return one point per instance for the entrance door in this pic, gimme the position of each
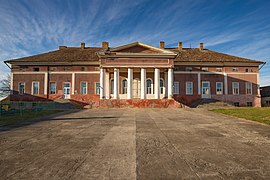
(66, 90)
(206, 89)
(136, 88)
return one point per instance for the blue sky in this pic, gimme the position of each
(240, 28)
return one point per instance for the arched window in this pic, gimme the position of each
(112, 86)
(161, 84)
(124, 86)
(149, 86)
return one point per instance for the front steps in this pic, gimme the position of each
(135, 103)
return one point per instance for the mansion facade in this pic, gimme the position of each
(135, 71)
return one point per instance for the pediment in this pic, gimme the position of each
(138, 47)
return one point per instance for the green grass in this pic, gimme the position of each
(15, 118)
(261, 115)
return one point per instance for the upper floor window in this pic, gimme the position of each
(52, 87)
(21, 87)
(205, 69)
(176, 88)
(189, 87)
(188, 68)
(218, 69)
(36, 69)
(235, 87)
(219, 88)
(83, 68)
(249, 70)
(83, 88)
(35, 87)
(235, 69)
(248, 88)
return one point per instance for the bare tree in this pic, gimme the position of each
(5, 86)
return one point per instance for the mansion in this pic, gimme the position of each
(135, 72)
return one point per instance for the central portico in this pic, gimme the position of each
(136, 70)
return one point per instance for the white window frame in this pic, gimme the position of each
(235, 69)
(32, 89)
(247, 88)
(162, 88)
(151, 87)
(55, 87)
(86, 87)
(234, 88)
(19, 89)
(205, 69)
(189, 90)
(218, 69)
(176, 87)
(218, 92)
(97, 89)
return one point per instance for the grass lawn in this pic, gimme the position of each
(255, 114)
(9, 119)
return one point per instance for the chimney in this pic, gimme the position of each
(162, 44)
(180, 46)
(82, 45)
(105, 45)
(201, 46)
(62, 47)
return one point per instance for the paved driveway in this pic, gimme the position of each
(137, 144)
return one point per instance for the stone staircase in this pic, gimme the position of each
(135, 103)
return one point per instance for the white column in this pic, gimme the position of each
(226, 83)
(101, 83)
(116, 83)
(143, 83)
(199, 83)
(11, 83)
(45, 83)
(107, 85)
(170, 83)
(129, 83)
(73, 83)
(157, 83)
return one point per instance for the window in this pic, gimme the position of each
(176, 87)
(218, 69)
(36, 69)
(149, 86)
(124, 86)
(205, 69)
(97, 68)
(189, 87)
(249, 104)
(161, 84)
(21, 88)
(52, 87)
(53, 68)
(112, 86)
(35, 87)
(219, 88)
(248, 88)
(267, 103)
(188, 68)
(249, 70)
(83, 68)
(83, 88)
(235, 69)
(236, 104)
(235, 86)
(97, 84)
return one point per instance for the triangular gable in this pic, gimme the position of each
(138, 47)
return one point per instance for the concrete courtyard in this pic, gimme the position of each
(136, 144)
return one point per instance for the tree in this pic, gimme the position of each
(5, 86)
